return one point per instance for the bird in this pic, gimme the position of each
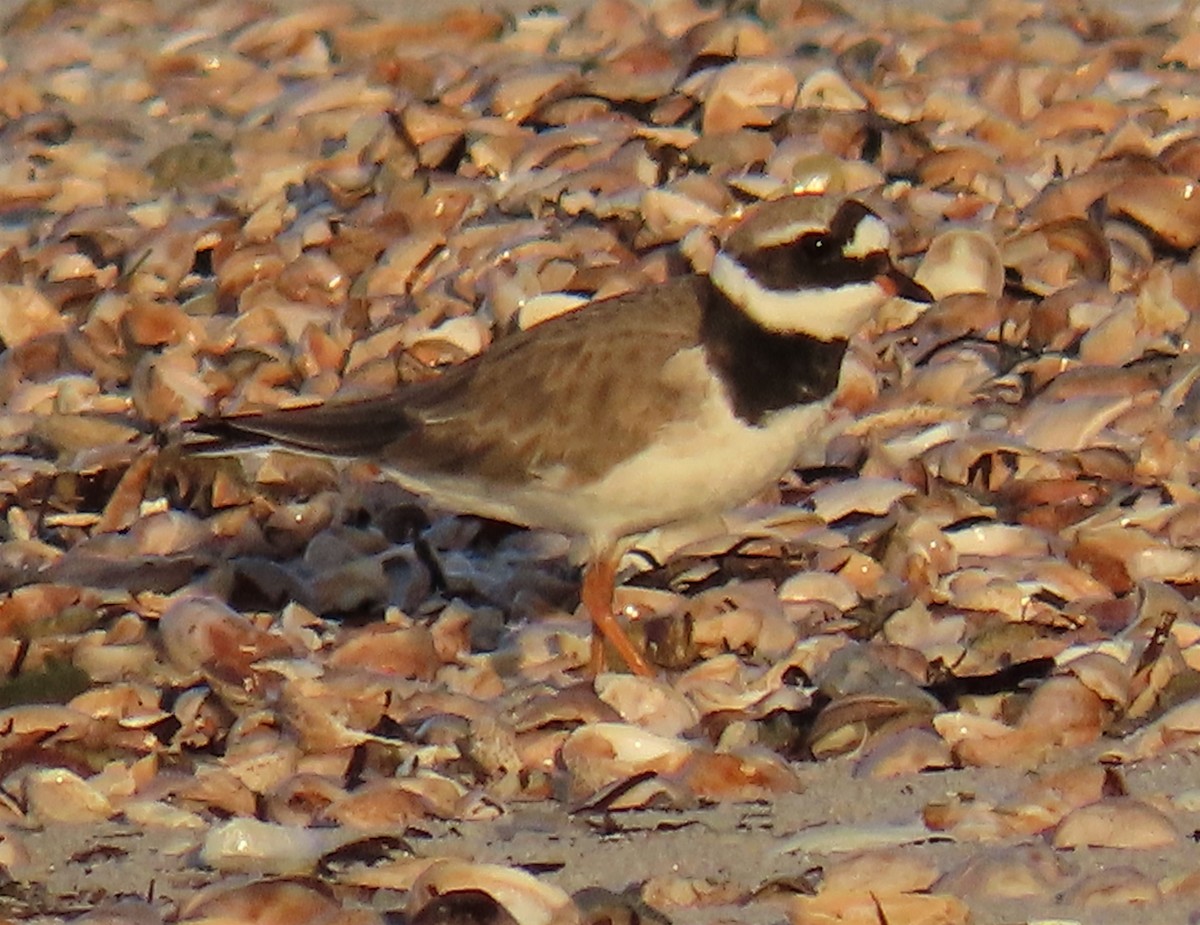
(656, 407)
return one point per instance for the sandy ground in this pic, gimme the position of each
(743, 845)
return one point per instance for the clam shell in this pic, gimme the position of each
(1116, 822)
(59, 795)
(524, 898)
(1168, 206)
(602, 753)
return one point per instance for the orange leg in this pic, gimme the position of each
(599, 579)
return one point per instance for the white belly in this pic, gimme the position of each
(693, 472)
(700, 466)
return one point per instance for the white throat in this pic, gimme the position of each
(825, 313)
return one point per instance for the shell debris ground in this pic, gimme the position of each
(282, 693)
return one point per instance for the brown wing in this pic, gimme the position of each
(581, 391)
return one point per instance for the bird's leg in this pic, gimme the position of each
(599, 580)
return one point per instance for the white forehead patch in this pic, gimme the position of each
(824, 313)
(786, 234)
(871, 236)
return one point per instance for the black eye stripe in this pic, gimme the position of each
(795, 265)
(817, 259)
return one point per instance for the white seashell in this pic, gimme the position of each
(250, 845)
(468, 333)
(545, 306)
(827, 89)
(978, 589)
(518, 94)
(819, 586)
(194, 630)
(25, 314)
(1055, 426)
(747, 92)
(673, 213)
(650, 704)
(159, 814)
(600, 754)
(996, 539)
(858, 496)
(59, 795)
(961, 261)
(828, 839)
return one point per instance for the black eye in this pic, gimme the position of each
(816, 247)
(815, 259)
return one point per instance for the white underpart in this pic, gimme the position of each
(871, 236)
(708, 463)
(826, 313)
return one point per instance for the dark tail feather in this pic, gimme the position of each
(360, 428)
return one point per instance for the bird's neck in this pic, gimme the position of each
(764, 371)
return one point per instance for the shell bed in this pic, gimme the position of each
(948, 672)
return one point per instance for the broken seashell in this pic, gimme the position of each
(647, 703)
